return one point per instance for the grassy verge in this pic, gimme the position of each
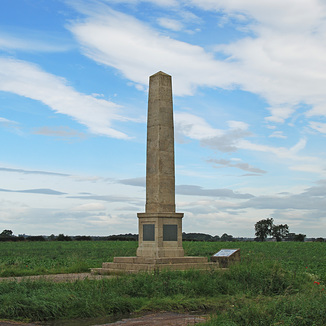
(275, 284)
(247, 294)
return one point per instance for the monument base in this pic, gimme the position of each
(160, 235)
(143, 264)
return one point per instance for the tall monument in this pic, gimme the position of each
(160, 227)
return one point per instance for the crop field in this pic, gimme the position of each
(276, 283)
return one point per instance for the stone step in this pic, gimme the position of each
(163, 260)
(133, 268)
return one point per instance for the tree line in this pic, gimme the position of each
(263, 229)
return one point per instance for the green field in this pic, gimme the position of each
(276, 283)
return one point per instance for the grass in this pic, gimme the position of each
(55, 257)
(275, 284)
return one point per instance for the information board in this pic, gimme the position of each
(225, 252)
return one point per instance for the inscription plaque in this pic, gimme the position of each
(226, 257)
(170, 232)
(148, 232)
(225, 252)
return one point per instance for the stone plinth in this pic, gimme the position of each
(160, 235)
(142, 264)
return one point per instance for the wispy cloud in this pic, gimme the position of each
(197, 128)
(139, 182)
(29, 80)
(89, 207)
(193, 190)
(11, 125)
(107, 36)
(36, 191)
(33, 172)
(242, 166)
(6, 121)
(278, 58)
(318, 126)
(61, 132)
(278, 134)
(172, 24)
(33, 41)
(108, 198)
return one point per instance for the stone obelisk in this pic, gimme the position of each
(160, 227)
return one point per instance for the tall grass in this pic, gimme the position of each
(275, 284)
(246, 288)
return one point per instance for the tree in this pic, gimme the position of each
(299, 237)
(264, 228)
(226, 237)
(52, 237)
(62, 237)
(279, 232)
(6, 234)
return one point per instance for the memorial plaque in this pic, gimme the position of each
(226, 257)
(170, 232)
(148, 232)
(225, 252)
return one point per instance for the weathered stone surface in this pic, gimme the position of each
(160, 227)
(160, 175)
(143, 264)
(160, 179)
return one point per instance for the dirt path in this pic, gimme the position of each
(160, 319)
(57, 277)
(157, 319)
(15, 323)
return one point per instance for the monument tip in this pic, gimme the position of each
(161, 73)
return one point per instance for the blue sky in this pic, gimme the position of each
(249, 80)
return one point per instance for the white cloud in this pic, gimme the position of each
(121, 41)
(240, 125)
(32, 41)
(281, 60)
(169, 23)
(11, 125)
(163, 3)
(300, 145)
(285, 59)
(241, 165)
(310, 168)
(4, 120)
(234, 139)
(197, 128)
(28, 80)
(90, 207)
(278, 134)
(279, 114)
(279, 152)
(194, 127)
(61, 131)
(319, 126)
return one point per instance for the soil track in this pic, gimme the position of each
(57, 277)
(160, 319)
(157, 319)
